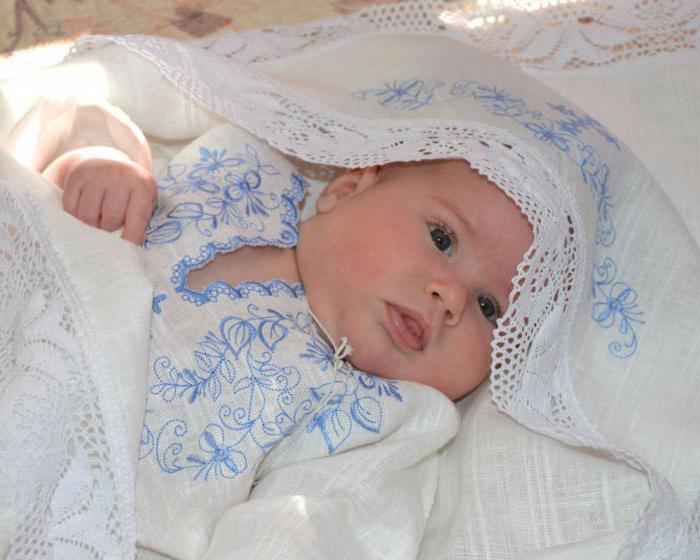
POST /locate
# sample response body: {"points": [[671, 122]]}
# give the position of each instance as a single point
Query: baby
{"points": [[416, 288], [411, 263]]}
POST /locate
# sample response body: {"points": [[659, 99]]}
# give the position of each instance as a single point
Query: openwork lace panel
{"points": [[71, 493]]}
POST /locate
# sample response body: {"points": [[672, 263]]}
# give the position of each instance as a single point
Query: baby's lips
{"points": [[415, 328], [409, 330]]}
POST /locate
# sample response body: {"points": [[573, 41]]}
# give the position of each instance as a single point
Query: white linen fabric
{"points": [[657, 114], [616, 309]]}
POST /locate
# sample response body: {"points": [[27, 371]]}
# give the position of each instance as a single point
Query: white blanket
{"points": [[74, 340]]}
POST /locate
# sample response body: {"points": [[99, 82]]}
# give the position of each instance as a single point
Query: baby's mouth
{"points": [[407, 329]]}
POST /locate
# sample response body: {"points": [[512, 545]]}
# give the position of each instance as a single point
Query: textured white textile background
{"points": [[649, 403], [655, 110]]}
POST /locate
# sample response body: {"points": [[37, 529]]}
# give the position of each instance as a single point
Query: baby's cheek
{"points": [[473, 359]]}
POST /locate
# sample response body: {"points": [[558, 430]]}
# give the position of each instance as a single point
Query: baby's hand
{"points": [[104, 188]]}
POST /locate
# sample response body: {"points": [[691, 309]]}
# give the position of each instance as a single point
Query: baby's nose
{"points": [[450, 298]]}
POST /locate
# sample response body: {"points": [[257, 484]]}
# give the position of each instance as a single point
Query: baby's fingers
{"points": [[114, 207], [71, 195], [138, 213], [90, 205]]}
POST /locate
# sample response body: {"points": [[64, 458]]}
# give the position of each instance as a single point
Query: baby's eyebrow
{"points": [[454, 209]]}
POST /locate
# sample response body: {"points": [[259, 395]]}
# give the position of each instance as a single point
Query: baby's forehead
{"points": [[433, 173]]}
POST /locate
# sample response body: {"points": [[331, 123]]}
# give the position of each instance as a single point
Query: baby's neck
{"points": [[246, 264]]}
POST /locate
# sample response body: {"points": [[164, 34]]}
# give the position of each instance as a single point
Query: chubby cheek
{"points": [[461, 366]]}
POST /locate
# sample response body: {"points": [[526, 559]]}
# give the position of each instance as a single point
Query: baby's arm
{"points": [[97, 156]]}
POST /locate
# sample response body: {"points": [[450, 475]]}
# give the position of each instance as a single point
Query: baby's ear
{"points": [[348, 184]]}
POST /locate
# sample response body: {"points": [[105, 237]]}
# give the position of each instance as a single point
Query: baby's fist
{"points": [[105, 190]]}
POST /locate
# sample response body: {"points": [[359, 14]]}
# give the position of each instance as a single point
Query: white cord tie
{"points": [[342, 351]]}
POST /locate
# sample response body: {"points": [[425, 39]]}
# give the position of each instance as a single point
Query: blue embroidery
{"points": [[239, 357], [287, 236], [344, 409], [408, 94], [157, 300], [147, 440], [240, 199], [387, 387], [562, 134], [350, 404], [321, 354], [615, 306], [579, 121], [234, 183], [318, 352]]}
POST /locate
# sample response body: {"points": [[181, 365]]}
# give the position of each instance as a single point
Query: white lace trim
{"points": [[72, 482]]}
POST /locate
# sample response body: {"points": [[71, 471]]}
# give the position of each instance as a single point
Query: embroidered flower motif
{"points": [[547, 133], [577, 122], [615, 305], [212, 166], [235, 185], [319, 353], [408, 94], [222, 460], [493, 94], [245, 188]]}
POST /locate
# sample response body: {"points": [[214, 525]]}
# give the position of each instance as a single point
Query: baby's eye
{"points": [[441, 238], [489, 308]]}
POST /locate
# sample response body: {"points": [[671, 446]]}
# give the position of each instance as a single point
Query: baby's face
{"points": [[413, 264]]}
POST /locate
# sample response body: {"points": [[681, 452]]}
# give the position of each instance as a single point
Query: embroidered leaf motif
{"points": [[336, 387], [335, 425], [242, 384], [272, 331], [164, 233], [211, 357], [338, 430], [186, 210], [203, 185], [367, 412], [239, 334]]}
